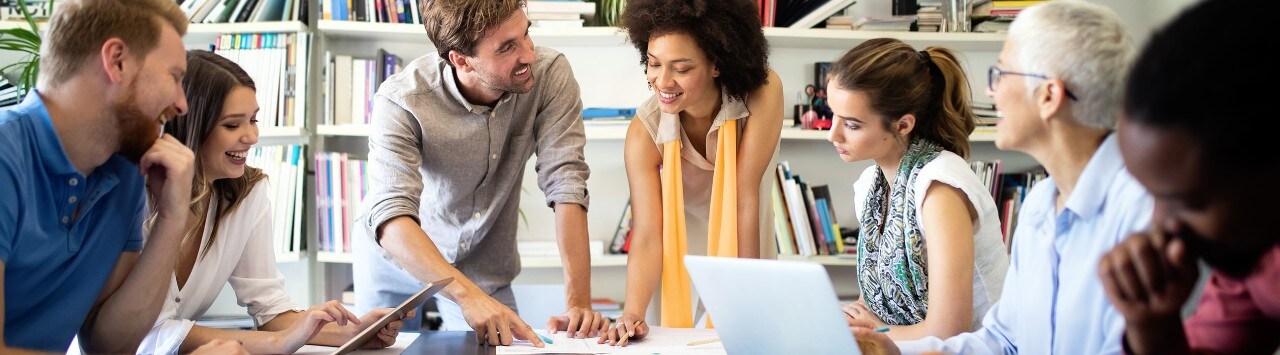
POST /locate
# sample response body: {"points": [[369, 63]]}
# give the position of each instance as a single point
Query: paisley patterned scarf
{"points": [[892, 270]]}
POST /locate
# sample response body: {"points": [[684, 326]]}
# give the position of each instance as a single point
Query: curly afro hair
{"points": [[727, 31]]}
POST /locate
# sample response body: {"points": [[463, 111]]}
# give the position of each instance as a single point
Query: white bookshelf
{"points": [[246, 27], [829, 260], [281, 132], [833, 38], [600, 131], [550, 37], [525, 261]]}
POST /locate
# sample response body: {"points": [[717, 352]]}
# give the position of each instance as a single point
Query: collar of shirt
{"points": [[730, 109], [451, 85], [1091, 189], [56, 162]]}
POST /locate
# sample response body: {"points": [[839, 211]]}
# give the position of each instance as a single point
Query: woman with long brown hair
{"points": [[228, 239], [930, 257]]}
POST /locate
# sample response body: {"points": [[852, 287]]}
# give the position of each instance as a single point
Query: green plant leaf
{"points": [[26, 14], [22, 33]]}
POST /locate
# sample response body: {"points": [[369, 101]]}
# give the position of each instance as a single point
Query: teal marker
{"points": [[544, 338], [882, 329]]}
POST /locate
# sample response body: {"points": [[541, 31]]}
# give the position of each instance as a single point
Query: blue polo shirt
{"points": [[55, 261]]}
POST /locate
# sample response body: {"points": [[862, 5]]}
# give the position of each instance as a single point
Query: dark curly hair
{"points": [[728, 32]]}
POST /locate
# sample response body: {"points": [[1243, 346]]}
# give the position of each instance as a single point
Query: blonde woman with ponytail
{"points": [[930, 257]]}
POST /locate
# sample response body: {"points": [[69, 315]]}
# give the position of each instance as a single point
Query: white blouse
{"points": [[242, 255], [990, 261]]}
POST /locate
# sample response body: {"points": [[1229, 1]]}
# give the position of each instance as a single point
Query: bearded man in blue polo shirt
{"points": [[77, 159]]}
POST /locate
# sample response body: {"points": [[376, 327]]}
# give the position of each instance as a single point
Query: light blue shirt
{"points": [[1053, 302], [55, 261]]}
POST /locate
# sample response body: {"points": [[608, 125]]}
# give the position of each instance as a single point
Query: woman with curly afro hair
{"points": [[697, 151]]}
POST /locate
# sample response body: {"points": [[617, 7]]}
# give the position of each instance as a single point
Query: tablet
{"points": [[396, 314]]}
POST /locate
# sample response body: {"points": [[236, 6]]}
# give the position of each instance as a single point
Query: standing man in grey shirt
{"points": [[451, 136]]}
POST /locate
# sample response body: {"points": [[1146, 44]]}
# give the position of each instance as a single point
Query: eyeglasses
{"points": [[994, 74]]}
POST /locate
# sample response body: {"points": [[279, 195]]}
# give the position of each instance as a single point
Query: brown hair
{"points": [[459, 25], [727, 31], [210, 79], [898, 80], [78, 28]]}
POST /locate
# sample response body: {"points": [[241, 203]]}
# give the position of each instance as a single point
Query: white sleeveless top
{"points": [[990, 259]]}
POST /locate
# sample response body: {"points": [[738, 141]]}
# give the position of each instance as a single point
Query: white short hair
{"points": [[1084, 45]]}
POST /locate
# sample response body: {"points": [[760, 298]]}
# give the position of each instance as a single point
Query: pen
{"points": [[623, 337], [882, 329], [544, 338], [704, 341]]}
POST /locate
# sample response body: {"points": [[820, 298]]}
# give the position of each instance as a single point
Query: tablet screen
{"points": [[413, 302]]}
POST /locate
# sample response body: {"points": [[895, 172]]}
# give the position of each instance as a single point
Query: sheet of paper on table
{"points": [[402, 342], [660, 341]]}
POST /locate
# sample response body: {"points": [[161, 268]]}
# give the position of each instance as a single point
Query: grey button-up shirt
{"points": [[457, 167]]}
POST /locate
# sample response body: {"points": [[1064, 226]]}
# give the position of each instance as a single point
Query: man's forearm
{"points": [[575, 254], [417, 254], [126, 316]]}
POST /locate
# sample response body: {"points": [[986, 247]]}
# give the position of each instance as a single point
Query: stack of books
{"points": [[840, 22], [559, 14], [900, 23], [277, 63], [930, 20], [995, 16]]}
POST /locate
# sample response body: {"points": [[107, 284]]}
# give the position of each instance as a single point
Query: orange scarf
{"points": [[722, 231]]}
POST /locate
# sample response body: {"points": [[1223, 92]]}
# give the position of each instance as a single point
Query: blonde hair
{"points": [[898, 80], [459, 25], [78, 28]]}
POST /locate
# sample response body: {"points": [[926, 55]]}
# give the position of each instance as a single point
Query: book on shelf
{"points": [[1013, 190], [278, 65], [350, 84], [374, 11], [341, 184], [238, 11], [285, 168], [804, 219]]}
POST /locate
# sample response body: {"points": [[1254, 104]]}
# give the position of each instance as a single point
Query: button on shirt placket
{"points": [[75, 189]]}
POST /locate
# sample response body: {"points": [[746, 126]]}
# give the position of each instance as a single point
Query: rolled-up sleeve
{"points": [[166, 336], [395, 185], [561, 167], [258, 284]]}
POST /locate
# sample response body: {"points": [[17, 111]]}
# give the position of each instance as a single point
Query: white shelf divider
{"points": [[613, 36], [281, 132], [609, 260], [619, 131], [246, 27], [334, 257], [288, 257], [830, 260], [834, 38], [552, 37]]}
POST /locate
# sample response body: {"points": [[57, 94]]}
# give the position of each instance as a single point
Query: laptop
{"points": [[399, 312], [771, 306]]}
